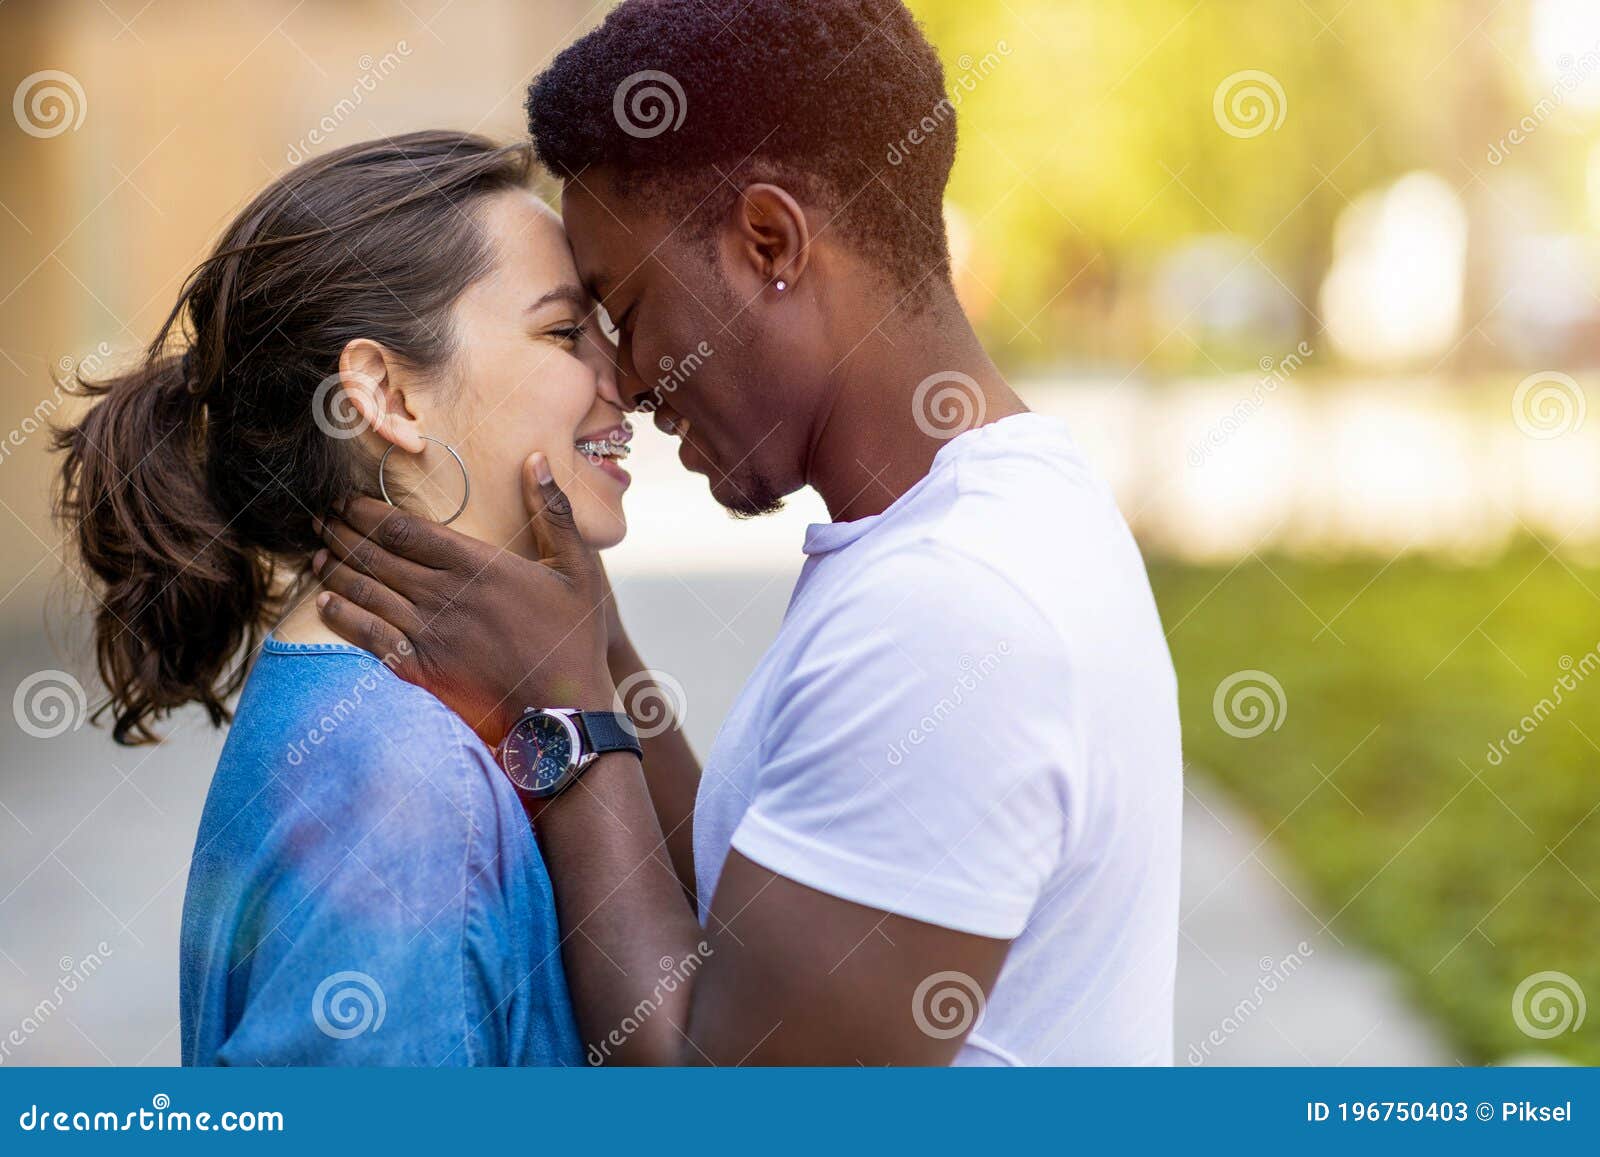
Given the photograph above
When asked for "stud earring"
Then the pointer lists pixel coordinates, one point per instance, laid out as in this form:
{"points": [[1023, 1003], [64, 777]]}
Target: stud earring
{"points": [[781, 286]]}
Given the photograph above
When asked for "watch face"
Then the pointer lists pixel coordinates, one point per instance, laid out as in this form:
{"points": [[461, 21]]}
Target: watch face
{"points": [[539, 751]]}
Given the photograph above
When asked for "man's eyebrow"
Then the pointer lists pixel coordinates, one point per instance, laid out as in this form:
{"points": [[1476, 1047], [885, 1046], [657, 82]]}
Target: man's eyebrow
{"points": [[571, 293]]}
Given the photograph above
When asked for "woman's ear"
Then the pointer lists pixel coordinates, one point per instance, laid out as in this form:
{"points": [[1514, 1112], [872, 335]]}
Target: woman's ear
{"points": [[772, 236], [374, 387]]}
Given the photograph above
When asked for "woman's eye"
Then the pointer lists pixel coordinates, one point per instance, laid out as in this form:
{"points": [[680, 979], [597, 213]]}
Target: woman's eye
{"points": [[571, 334]]}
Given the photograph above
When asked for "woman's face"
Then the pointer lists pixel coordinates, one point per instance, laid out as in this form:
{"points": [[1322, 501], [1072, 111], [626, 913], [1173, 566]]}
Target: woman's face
{"points": [[530, 373]]}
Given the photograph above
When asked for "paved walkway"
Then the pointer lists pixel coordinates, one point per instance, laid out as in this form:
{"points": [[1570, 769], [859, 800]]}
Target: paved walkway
{"points": [[1258, 982]]}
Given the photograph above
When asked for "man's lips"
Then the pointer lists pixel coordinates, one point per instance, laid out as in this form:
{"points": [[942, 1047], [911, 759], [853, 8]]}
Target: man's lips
{"points": [[669, 422]]}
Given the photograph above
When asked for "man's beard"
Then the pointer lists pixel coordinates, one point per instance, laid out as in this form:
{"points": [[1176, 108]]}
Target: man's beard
{"points": [[751, 497]]}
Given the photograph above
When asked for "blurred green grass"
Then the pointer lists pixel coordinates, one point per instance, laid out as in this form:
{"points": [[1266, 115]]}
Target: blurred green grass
{"points": [[1377, 784]]}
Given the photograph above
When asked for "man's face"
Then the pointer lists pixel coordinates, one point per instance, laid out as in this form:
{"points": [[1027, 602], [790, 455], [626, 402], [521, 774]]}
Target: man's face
{"points": [[688, 349]]}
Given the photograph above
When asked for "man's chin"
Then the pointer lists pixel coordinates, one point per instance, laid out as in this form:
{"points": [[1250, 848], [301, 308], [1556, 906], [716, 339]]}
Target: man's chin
{"points": [[746, 497]]}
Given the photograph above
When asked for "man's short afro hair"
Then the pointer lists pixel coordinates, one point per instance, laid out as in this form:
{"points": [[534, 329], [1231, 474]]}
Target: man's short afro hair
{"points": [[816, 95]]}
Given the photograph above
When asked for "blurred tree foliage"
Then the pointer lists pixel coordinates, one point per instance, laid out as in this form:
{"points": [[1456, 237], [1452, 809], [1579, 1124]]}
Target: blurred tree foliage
{"points": [[1091, 149], [1414, 826]]}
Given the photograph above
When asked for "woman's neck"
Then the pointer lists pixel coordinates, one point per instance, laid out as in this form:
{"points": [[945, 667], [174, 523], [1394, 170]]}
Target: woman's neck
{"points": [[301, 623]]}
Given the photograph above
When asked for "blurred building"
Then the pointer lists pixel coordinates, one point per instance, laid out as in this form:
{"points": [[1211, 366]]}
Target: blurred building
{"points": [[137, 130]]}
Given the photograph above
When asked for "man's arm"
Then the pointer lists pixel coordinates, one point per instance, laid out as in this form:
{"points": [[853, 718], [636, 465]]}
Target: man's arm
{"points": [[674, 773], [782, 974], [788, 974]]}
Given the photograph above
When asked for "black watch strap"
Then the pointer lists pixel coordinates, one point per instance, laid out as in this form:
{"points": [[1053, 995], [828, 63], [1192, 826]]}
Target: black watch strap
{"points": [[610, 731]]}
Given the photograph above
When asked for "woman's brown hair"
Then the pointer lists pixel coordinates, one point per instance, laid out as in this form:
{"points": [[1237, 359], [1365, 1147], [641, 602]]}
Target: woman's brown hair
{"points": [[193, 481]]}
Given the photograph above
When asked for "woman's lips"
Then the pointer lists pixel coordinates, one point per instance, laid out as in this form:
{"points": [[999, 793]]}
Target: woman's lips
{"points": [[602, 449]]}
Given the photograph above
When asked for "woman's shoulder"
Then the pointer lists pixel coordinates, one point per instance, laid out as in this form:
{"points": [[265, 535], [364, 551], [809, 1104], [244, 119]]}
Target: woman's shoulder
{"points": [[326, 737]]}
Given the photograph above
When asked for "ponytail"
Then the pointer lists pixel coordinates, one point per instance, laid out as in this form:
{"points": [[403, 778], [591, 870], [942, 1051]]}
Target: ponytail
{"points": [[180, 596]]}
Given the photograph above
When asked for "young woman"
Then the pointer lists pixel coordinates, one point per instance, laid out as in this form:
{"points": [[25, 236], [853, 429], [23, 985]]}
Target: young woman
{"points": [[399, 318]]}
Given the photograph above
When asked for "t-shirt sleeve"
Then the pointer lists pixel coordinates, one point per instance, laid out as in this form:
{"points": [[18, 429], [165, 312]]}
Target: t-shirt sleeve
{"points": [[920, 751]]}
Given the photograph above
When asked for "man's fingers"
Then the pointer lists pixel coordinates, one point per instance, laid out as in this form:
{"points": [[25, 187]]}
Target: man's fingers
{"points": [[368, 593], [366, 630], [550, 517], [346, 546], [406, 535]]}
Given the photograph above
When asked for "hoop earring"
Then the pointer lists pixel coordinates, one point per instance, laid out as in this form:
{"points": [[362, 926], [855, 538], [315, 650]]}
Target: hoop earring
{"points": [[466, 479]]}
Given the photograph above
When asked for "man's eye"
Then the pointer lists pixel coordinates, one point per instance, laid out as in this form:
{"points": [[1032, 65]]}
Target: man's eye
{"points": [[607, 326]]}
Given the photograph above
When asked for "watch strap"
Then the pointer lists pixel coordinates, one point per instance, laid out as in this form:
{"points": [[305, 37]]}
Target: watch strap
{"points": [[608, 731]]}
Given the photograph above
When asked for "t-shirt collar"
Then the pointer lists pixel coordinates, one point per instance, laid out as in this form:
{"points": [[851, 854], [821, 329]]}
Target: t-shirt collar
{"points": [[824, 537]]}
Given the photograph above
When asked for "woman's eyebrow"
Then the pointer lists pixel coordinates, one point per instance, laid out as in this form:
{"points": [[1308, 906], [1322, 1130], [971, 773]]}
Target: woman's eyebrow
{"points": [[571, 293]]}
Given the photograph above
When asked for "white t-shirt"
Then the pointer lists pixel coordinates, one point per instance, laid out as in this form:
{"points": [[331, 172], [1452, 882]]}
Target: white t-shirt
{"points": [[969, 717]]}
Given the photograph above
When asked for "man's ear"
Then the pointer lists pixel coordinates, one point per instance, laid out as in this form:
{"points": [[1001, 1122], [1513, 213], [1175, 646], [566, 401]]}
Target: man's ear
{"points": [[374, 386], [772, 238]]}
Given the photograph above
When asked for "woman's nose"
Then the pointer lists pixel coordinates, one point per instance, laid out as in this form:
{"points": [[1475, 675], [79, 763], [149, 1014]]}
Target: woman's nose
{"points": [[601, 357]]}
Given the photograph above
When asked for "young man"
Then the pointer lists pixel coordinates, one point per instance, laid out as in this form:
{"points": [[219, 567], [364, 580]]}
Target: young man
{"points": [[941, 823]]}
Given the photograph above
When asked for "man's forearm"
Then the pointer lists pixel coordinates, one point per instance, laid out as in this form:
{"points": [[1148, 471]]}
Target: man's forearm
{"points": [[672, 773], [624, 920]]}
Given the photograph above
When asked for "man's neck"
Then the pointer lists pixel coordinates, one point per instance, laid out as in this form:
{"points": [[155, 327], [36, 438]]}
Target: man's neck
{"points": [[878, 434]]}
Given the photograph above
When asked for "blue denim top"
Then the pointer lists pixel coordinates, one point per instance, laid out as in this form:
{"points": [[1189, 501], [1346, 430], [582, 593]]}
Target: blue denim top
{"points": [[365, 888]]}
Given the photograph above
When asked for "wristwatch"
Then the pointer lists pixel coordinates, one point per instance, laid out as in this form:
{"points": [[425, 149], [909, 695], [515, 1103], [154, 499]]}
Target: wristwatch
{"points": [[546, 750]]}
